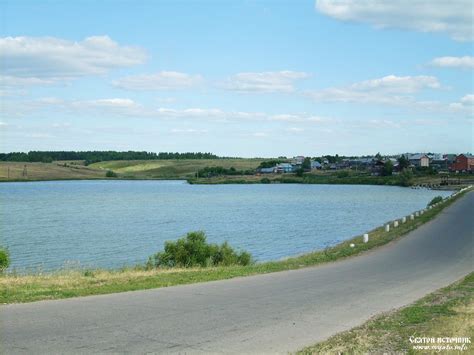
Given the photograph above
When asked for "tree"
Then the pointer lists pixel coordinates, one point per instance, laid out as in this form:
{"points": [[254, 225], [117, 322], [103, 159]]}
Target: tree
{"points": [[378, 156], [387, 168], [299, 172], [403, 162], [306, 164], [406, 177]]}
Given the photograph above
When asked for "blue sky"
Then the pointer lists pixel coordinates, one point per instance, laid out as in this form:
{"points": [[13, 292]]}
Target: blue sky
{"points": [[237, 78]]}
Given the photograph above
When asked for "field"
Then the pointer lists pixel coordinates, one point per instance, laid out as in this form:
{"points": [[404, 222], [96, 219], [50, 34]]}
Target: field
{"points": [[171, 169], [19, 171]]}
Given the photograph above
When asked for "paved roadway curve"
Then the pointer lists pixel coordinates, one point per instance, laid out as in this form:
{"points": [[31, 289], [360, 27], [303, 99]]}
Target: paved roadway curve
{"points": [[270, 313]]}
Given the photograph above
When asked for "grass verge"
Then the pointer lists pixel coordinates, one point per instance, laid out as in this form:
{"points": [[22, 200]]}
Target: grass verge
{"points": [[448, 312], [65, 284]]}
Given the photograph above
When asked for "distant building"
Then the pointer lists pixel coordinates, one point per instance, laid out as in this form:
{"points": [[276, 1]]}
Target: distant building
{"points": [[284, 168], [267, 170], [463, 162], [316, 165], [298, 160], [419, 160]]}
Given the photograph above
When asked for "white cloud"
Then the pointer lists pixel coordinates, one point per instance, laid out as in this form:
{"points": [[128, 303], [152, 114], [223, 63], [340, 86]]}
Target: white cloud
{"points": [[398, 84], [46, 60], [454, 17], [468, 99], [165, 80], [466, 103], [391, 89], [281, 81], [189, 131], [466, 62]]}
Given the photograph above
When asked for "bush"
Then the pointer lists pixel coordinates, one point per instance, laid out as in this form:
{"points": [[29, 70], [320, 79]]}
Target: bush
{"points": [[342, 174], [4, 259], [406, 177], [265, 181], [435, 200], [193, 250], [111, 174]]}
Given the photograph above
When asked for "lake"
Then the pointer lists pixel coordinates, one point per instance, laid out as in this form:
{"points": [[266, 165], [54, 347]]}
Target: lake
{"points": [[55, 224]]}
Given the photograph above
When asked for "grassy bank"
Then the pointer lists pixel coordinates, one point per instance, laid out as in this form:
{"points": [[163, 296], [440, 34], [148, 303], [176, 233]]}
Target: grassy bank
{"points": [[171, 169], [328, 177], [27, 288], [18, 171], [448, 312]]}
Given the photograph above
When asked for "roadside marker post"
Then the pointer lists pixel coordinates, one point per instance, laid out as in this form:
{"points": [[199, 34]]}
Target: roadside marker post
{"points": [[366, 238], [395, 224], [404, 220], [412, 217], [387, 228]]}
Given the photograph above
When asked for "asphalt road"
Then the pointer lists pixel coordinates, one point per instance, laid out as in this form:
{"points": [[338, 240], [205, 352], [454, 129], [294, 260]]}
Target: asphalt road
{"points": [[273, 313]]}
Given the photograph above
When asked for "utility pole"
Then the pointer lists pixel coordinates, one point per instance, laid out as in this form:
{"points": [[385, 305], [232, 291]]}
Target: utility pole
{"points": [[25, 172]]}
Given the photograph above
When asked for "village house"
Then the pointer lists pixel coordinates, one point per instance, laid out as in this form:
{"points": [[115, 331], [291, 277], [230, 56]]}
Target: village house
{"points": [[463, 162], [419, 160], [316, 165], [284, 168]]}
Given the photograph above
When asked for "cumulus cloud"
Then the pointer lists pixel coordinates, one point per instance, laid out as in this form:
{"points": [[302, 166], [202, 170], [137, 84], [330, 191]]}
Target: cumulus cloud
{"points": [[454, 17], [466, 62], [46, 60], [165, 80], [264, 82], [466, 103], [390, 89]]}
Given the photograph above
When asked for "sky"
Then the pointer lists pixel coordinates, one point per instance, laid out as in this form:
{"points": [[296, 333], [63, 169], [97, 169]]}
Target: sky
{"points": [[237, 78]]}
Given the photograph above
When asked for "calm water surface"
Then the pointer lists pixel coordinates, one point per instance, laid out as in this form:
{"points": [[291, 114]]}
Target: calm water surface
{"points": [[48, 225]]}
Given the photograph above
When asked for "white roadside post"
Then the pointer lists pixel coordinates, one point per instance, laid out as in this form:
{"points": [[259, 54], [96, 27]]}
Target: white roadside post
{"points": [[366, 238], [395, 224], [352, 245], [412, 217], [404, 220], [387, 228]]}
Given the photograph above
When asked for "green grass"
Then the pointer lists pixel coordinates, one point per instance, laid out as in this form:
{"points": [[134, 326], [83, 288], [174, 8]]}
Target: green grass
{"points": [[65, 284], [448, 312], [13, 171], [173, 168]]}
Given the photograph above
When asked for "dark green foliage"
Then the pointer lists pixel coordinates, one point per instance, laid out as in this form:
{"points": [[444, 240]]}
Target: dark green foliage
{"points": [[265, 181], [299, 172], [95, 156], [342, 174], [403, 162], [4, 259], [435, 200], [193, 250], [306, 164], [406, 177], [270, 163], [387, 168], [111, 174], [211, 171]]}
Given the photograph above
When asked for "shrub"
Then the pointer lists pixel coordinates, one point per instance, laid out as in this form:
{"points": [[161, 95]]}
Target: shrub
{"points": [[265, 181], [435, 200], [4, 259], [342, 174], [193, 250], [406, 177], [111, 174]]}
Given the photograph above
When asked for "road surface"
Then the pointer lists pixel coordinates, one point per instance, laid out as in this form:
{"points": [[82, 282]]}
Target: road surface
{"points": [[273, 313]]}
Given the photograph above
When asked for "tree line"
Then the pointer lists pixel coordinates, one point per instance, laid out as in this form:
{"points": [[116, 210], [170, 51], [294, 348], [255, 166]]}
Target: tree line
{"points": [[95, 156]]}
